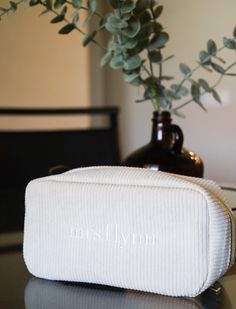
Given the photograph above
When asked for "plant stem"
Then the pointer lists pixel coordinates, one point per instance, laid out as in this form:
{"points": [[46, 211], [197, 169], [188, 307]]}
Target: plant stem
{"points": [[151, 67], [213, 87], [155, 104], [146, 70], [160, 71]]}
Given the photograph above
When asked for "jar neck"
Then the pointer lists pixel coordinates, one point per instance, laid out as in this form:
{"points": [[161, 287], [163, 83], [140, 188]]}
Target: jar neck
{"points": [[160, 122]]}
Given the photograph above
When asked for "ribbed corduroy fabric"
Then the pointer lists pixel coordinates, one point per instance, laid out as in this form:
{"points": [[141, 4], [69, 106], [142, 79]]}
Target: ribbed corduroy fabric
{"points": [[128, 227]]}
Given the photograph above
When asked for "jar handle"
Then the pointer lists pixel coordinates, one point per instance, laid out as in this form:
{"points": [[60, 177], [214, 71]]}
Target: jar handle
{"points": [[178, 138]]}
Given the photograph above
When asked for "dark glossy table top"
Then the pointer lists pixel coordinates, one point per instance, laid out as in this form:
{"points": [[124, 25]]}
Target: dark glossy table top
{"points": [[18, 289]]}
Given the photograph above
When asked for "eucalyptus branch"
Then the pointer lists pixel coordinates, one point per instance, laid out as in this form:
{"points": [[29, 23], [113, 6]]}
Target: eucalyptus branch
{"points": [[75, 26], [205, 92], [193, 71], [64, 19], [134, 30], [7, 10], [85, 9]]}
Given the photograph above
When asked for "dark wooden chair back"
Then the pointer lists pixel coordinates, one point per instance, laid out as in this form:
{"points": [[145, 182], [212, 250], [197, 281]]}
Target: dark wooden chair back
{"points": [[25, 155]]}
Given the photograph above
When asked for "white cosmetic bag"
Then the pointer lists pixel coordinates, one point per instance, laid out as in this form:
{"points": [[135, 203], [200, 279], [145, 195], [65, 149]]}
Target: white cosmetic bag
{"points": [[129, 227]]}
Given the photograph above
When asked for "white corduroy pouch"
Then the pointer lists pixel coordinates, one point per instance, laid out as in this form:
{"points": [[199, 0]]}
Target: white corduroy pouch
{"points": [[129, 227]]}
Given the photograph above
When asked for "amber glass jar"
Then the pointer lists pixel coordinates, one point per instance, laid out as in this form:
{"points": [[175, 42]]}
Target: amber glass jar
{"points": [[165, 151]]}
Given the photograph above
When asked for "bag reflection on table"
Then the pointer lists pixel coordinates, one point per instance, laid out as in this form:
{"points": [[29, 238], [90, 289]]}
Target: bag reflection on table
{"points": [[52, 294]]}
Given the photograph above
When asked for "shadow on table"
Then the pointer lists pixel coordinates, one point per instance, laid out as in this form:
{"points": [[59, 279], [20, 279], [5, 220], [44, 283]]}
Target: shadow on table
{"points": [[50, 294]]}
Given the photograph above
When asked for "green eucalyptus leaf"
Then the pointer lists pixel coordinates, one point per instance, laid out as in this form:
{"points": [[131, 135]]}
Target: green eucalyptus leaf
{"points": [[157, 27], [77, 4], [133, 28], [195, 92], [180, 90], [89, 37], [142, 5], [158, 41], [116, 48], [135, 71], [211, 48], [106, 59], [204, 57], [229, 43], [13, 6], [64, 10], [152, 81], [103, 20], [131, 43], [155, 56], [201, 105], [126, 17], [146, 30], [127, 6], [185, 69], [59, 3], [218, 68], [113, 46], [132, 63], [171, 95], [57, 19], [112, 29], [34, 2], [149, 93], [117, 62], [67, 29], [136, 82], [129, 78], [234, 33], [157, 11], [215, 95], [75, 18], [204, 84], [116, 22], [48, 4], [92, 5], [145, 17], [142, 45], [114, 3]]}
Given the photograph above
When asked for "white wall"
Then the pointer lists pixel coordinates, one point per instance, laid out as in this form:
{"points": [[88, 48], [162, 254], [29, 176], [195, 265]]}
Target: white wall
{"points": [[40, 68], [212, 135]]}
